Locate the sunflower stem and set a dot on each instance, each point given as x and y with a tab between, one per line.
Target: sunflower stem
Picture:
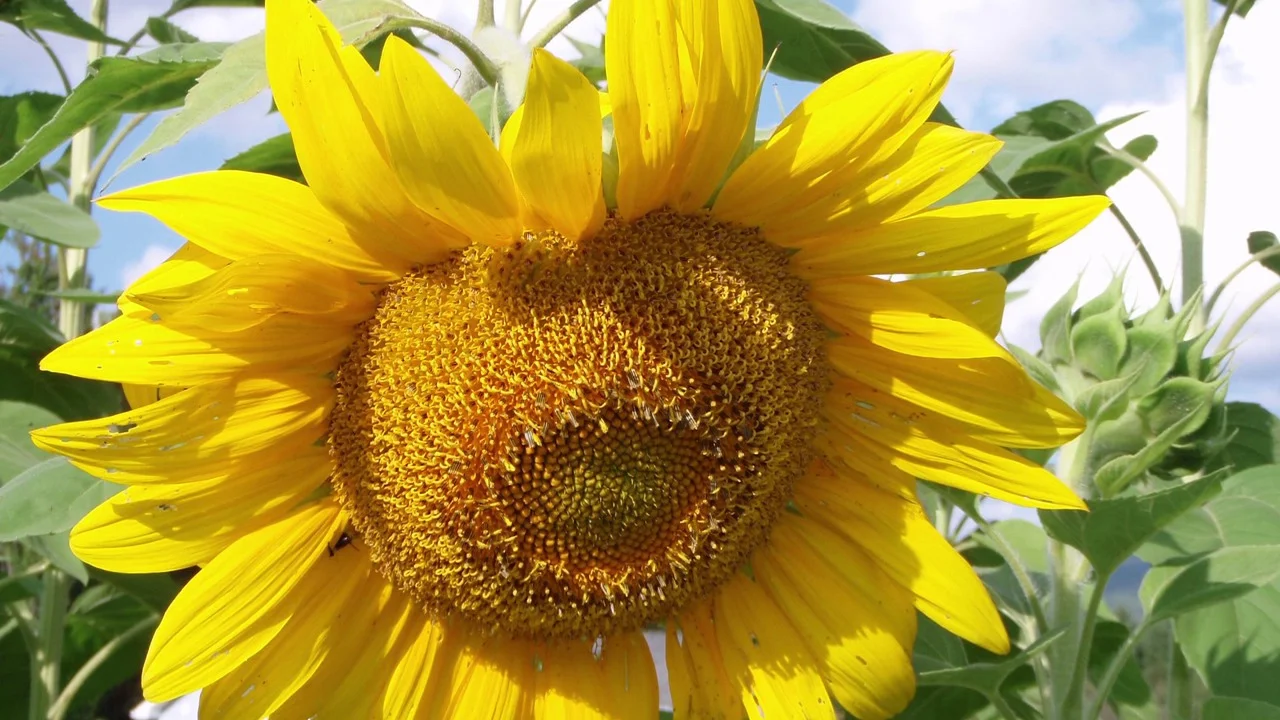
561	21
46	665
1073	705
1067	569
484	66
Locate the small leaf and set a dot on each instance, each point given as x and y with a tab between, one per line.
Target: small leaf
1039	370
1055	328
1116	475
48	498
1242	6
148	82
165	32
1112	530
273	156
1152	352
1260	240
810	40
34	212
1054	120
1180	401
1098	343
54	16
1107	169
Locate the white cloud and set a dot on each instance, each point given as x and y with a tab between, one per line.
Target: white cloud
1243	152
1012	53
150	258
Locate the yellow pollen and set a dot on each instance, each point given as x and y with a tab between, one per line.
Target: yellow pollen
566	439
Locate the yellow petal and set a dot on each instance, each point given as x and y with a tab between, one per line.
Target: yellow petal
146	350
950	458
413	675
776	674
555	154
700	685
979	296
166	527
484	678
442	153
360	649
237	214
329	600
568	682
993	398
630	679
895	532
936	160
853	618
723	41
855	120
234	606
900	318
339	142
957	237
210	425
643	63
248	292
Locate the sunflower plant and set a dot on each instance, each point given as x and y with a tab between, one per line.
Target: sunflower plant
559	389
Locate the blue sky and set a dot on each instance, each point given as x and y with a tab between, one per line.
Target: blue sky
1114	56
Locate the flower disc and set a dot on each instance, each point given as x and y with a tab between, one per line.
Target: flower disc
562	439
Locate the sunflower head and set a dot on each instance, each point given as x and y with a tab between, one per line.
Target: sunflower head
449	425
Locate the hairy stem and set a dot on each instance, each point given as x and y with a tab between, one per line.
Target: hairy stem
46	664
1150	264
1074	704
561	21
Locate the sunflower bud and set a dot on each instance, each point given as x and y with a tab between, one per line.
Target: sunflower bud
1153	400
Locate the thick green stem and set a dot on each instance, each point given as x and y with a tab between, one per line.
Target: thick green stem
46	664
1074	704
1067	569
72	261
1191	223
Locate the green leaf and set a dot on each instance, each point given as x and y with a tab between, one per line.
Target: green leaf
1055	327
1234	646
1098	343
1054	120
52	15
242	73
56	549
1152	352
25	338
1107	169
1016	151
1255	437
32	211
1242	6
810	40
21	115
155	590
590	61
1233	708
165	32
1194	408
17	420
987	677
48	498
148	82
1260	240
1112	530
1131	687
274	156
1039	370
1220	576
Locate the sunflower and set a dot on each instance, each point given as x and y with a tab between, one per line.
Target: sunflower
448	427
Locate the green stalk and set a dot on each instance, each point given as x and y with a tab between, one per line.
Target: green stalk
1074	705
72	261
46	665
1113	672
1191	223
561	21
1067	569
